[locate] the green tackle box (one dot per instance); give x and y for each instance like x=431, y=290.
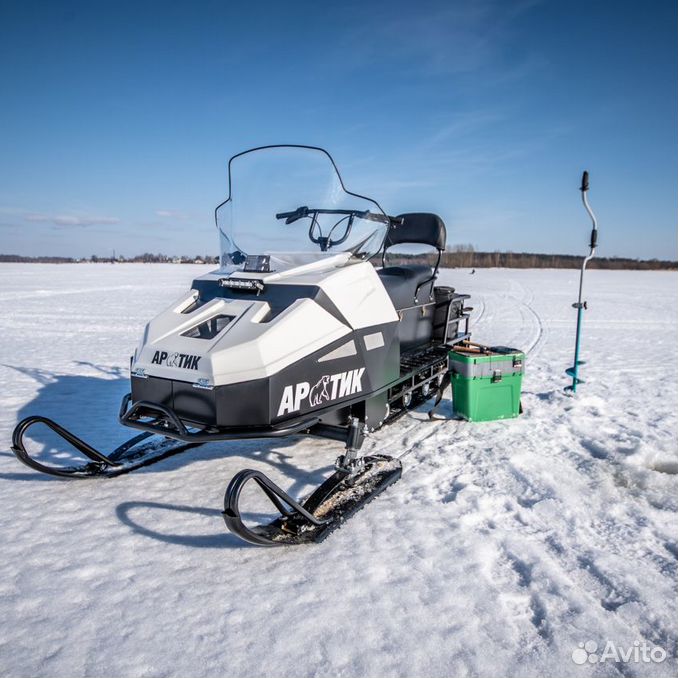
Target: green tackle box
x=486, y=382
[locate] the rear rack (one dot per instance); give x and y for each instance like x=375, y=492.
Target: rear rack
x=441, y=329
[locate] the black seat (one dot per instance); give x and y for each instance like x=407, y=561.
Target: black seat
x=401, y=282
x=420, y=228
x=412, y=284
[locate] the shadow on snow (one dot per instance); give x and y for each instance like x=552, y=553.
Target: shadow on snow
x=88, y=406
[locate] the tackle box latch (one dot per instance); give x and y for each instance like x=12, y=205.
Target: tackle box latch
x=496, y=376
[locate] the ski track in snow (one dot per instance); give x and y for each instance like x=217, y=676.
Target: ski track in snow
x=504, y=545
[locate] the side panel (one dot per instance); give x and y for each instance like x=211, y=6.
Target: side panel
x=347, y=370
x=316, y=383
x=359, y=294
x=416, y=326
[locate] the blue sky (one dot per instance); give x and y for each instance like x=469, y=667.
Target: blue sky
x=117, y=119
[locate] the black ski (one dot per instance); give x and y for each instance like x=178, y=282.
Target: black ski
x=328, y=507
x=129, y=456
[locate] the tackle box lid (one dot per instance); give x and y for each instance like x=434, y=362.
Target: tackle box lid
x=486, y=361
x=486, y=354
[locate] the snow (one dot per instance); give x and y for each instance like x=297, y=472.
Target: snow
x=504, y=546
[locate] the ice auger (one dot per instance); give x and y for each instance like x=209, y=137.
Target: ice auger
x=580, y=305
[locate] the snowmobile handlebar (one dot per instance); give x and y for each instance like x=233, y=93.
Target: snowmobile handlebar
x=326, y=242
x=301, y=212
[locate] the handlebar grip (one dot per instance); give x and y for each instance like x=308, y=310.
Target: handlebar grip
x=297, y=213
x=594, y=238
x=584, y=182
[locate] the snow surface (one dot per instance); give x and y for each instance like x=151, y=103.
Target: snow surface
x=503, y=547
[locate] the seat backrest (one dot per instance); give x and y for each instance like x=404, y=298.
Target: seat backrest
x=417, y=228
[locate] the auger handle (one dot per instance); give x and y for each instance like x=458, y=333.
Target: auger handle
x=584, y=190
x=594, y=239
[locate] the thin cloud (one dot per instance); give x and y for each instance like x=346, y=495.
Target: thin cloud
x=65, y=220
x=443, y=40
x=434, y=40
x=171, y=214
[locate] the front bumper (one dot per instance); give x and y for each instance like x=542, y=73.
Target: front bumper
x=243, y=404
x=163, y=420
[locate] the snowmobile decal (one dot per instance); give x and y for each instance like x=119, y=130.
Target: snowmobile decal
x=319, y=394
x=328, y=387
x=183, y=360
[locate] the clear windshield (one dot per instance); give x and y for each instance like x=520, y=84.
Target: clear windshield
x=289, y=202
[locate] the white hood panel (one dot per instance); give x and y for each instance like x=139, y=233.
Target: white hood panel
x=251, y=346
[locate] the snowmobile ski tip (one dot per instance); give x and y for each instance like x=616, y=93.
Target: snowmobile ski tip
x=129, y=456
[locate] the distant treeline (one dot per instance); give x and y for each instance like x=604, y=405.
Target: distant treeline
x=463, y=257
x=470, y=259
x=146, y=258
x=17, y=259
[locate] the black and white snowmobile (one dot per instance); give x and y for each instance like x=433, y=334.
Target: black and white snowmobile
x=297, y=333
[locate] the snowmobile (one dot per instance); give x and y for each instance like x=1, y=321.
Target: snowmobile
x=296, y=333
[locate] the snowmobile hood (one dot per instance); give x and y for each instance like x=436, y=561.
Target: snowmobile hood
x=215, y=335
